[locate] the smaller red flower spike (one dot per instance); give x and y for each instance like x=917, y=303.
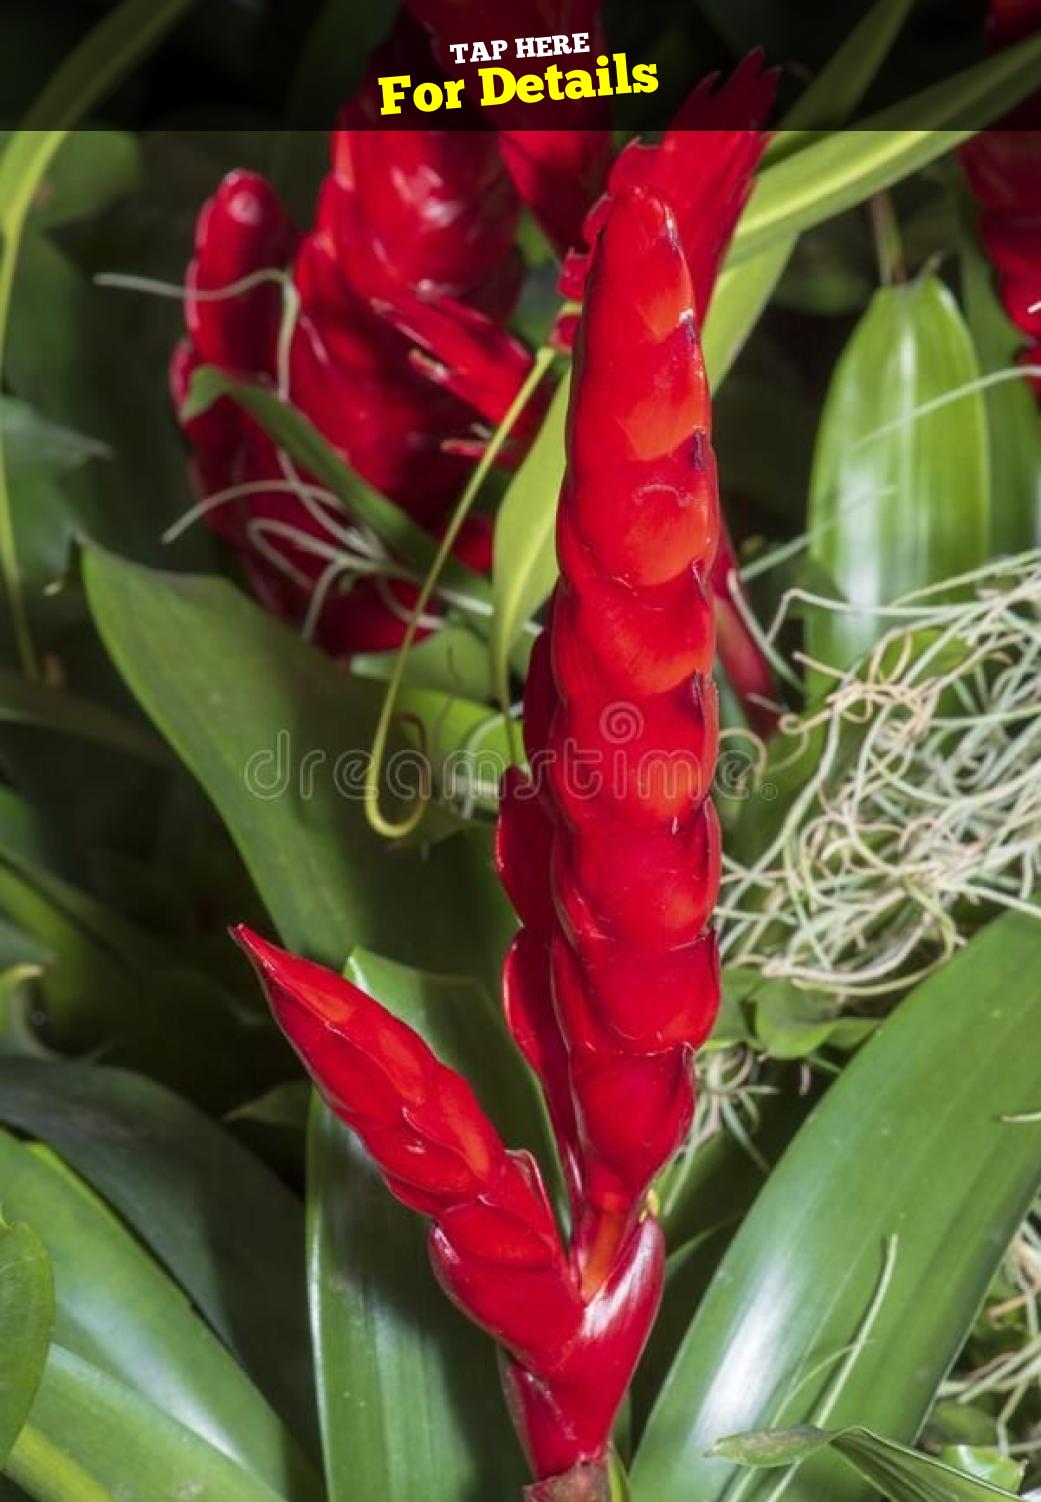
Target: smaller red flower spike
x=494, y=1244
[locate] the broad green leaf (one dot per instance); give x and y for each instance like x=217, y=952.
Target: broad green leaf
x=92, y=1438
x=898, y=499
x=295, y=432
x=830, y=99
x=26, y=1322
x=118, y=1310
x=524, y=568
x=848, y=166
x=901, y=1474
x=279, y=738
x=909, y=1144
x=1013, y=427
x=408, y=1391
x=224, y=1227
x=109, y=51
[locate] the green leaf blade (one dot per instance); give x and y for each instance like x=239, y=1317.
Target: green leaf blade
x=908, y=1143
x=26, y=1323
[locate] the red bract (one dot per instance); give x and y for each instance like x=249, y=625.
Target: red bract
x=1003, y=168
x=403, y=213
x=611, y=982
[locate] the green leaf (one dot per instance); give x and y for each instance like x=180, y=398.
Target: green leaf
x=900, y=1474
x=408, y=1391
x=30, y=440
x=93, y=169
x=106, y=55
x=524, y=568
x=453, y=659
x=897, y=500
x=987, y=1463
x=117, y=1309
x=279, y=739
x=907, y=1144
x=92, y=1438
x=109, y=51
x=224, y=1227
x=1014, y=431
x=294, y=432
x=848, y=166
x=26, y=1322
x=741, y=294
x=838, y=88
x=25, y=702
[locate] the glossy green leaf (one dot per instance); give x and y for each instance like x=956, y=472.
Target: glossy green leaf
x=1014, y=431
x=799, y=1325
x=898, y=500
x=118, y=1310
x=846, y=167
x=100, y=61
x=92, y=1438
x=901, y=1474
x=524, y=568
x=279, y=738
x=408, y=1390
x=228, y=1231
x=302, y=441
x=26, y=1323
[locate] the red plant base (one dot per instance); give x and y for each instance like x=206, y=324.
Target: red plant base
x=585, y=1483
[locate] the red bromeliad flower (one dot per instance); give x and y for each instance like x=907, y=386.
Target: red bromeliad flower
x=611, y=983
x=1003, y=168
x=703, y=169
x=428, y=213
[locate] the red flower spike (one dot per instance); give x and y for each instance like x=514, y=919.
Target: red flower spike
x=558, y=174
x=402, y=215
x=635, y=852
x=612, y=982
x=494, y=1245
x=1003, y=168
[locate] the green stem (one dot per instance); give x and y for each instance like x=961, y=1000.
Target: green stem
x=376, y=817
x=892, y=267
x=48, y=1474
